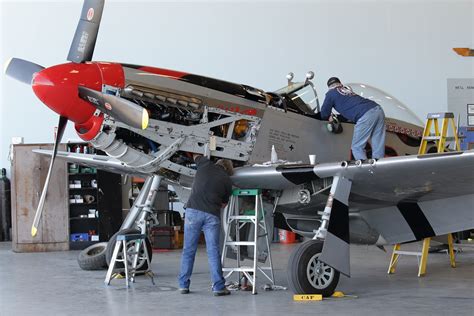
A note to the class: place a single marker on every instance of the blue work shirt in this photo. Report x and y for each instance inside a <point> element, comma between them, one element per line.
<point>350,105</point>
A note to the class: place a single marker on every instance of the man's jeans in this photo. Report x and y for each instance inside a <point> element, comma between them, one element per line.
<point>370,125</point>
<point>195,222</point>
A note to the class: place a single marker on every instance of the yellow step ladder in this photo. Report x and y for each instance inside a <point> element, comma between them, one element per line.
<point>421,256</point>
<point>440,137</point>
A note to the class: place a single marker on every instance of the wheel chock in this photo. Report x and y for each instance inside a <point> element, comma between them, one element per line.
<point>118,276</point>
<point>341,295</point>
<point>338,294</point>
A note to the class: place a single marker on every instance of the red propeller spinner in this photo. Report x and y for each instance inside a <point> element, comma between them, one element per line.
<point>57,87</point>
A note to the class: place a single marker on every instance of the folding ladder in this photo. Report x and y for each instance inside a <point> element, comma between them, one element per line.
<point>235,220</point>
<point>441,138</point>
<point>440,135</point>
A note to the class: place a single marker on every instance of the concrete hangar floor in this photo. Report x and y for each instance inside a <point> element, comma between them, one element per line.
<point>52,284</point>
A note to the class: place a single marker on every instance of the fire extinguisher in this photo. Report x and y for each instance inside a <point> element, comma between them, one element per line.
<point>5,207</point>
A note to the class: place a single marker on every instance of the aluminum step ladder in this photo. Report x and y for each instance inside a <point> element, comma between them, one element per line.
<point>440,137</point>
<point>235,220</point>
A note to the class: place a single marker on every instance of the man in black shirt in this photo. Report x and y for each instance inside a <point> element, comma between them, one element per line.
<point>211,190</point>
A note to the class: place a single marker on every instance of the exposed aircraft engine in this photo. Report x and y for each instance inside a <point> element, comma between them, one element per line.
<point>179,126</point>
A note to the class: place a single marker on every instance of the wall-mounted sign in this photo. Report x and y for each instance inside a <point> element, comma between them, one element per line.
<point>461,100</point>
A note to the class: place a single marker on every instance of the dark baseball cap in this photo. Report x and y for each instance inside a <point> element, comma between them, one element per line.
<point>333,80</point>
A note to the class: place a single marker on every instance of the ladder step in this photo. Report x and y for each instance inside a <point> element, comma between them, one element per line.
<point>438,138</point>
<point>440,115</point>
<point>407,253</point>
<point>247,217</point>
<point>241,269</point>
<point>248,192</point>
<point>240,243</point>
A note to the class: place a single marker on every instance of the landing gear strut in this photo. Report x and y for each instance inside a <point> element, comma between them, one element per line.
<point>314,269</point>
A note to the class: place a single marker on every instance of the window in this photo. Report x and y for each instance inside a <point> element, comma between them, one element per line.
<point>301,97</point>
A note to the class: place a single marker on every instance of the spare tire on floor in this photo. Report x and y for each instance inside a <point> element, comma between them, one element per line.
<point>93,257</point>
<point>142,265</point>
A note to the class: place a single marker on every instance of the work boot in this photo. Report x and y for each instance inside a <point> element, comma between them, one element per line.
<point>222,292</point>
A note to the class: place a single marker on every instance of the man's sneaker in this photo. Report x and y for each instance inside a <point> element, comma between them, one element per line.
<point>222,292</point>
<point>183,291</point>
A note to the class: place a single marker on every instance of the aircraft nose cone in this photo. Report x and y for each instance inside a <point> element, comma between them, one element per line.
<point>47,91</point>
<point>57,87</point>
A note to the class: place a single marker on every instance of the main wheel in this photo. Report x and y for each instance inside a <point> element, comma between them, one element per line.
<point>142,265</point>
<point>308,275</point>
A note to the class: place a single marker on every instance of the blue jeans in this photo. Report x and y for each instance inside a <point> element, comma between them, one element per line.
<point>370,125</point>
<point>195,222</point>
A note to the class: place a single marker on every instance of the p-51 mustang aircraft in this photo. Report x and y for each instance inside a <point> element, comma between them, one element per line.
<point>149,121</point>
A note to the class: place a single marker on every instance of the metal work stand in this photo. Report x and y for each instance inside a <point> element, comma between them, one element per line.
<point>129,256</point>
<point>255,217</point>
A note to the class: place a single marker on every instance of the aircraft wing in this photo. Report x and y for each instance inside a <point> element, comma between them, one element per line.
<point>405,198</point>
<point>95,161</point>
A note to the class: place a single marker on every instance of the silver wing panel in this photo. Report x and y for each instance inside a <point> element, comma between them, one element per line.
<point>384,183</point>
<point>415,178</point>
<point>404,198</point>
<point>95,161</point>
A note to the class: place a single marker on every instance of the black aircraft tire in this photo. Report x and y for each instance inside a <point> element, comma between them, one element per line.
<point>111,245</point>
<point>93,257</point>
<point>304,259</point>
<point>293,262</point>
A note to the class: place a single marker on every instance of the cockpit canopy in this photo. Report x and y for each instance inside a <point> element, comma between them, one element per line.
<point>392,107</point>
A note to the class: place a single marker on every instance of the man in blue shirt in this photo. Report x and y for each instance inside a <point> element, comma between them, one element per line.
<point>367,115</point>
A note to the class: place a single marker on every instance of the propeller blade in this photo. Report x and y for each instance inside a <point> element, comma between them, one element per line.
<point>22,70</point>
<point>121,109</point>
<point>83,43</point>
<point>39,210</point>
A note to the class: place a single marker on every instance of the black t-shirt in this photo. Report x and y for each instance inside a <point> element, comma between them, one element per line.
<point>211,187</point>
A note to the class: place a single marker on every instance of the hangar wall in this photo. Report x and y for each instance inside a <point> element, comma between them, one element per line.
<point>402,47</point>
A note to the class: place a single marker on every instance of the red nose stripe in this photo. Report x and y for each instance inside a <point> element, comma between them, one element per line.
<point>164,72</point>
